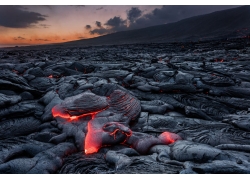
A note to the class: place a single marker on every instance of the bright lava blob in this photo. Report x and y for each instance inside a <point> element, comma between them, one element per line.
<point>92,140</point>
<point>57,112</point>
<point>169,138</point>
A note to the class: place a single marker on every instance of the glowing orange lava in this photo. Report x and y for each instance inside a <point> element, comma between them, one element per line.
<point>57,112</point>
<point>102,133</point>
<point>169,138</point>
<point>50,76</point>
<point>93,140</point>
<point>114,132</point>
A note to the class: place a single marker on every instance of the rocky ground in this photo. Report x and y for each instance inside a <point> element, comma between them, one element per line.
<point>142,108</point>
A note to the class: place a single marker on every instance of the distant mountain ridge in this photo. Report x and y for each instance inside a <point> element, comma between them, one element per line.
<point>228,23</point>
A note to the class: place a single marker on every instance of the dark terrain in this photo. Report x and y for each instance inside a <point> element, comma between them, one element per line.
<point>123,98</point>
<point>231,23</point>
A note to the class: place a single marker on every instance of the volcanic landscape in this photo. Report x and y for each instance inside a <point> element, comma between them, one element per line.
<point>126,109</point>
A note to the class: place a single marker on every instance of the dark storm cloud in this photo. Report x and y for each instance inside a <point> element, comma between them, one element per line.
<point>165,14</point>
<point>133,14</point>
<point>98,24</point>
<point>100,29</point>
<point>88,27</point>
<point>17,17</point>
<point>115,22</point>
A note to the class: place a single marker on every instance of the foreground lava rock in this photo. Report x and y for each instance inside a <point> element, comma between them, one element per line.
<point>108,121</point>
<point>144,108</point>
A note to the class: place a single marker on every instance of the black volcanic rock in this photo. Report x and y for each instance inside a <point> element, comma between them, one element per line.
<point>6,100</point>
<point>118,112</point>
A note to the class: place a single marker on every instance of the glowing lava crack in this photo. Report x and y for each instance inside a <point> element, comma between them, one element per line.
<point>108,122</point>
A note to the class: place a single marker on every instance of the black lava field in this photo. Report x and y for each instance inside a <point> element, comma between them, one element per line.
<point>167,108</point>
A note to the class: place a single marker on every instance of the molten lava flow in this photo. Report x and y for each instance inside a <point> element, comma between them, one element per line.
<point>56,112</point>
<point>93,140</point>
<point>107,135</point>
<point>114,132</point>
<point>169,138</point>
<point>127,134</point>
<point>127,137</point>
<point>50,76</point>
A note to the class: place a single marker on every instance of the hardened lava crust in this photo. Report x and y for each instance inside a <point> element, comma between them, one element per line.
<point>167,108</point>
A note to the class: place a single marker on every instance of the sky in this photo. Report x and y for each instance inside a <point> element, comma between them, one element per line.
<point>45,24</point>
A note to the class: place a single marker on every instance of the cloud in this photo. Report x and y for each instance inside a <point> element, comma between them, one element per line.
<point>18,17</point>
<point>42,40</point>
<point>44,25</point>
<point>115,22</point>
<point>78,6</point>
<point>99,8</point>
<point>88,27</point>
<point>48,6</point>
<point>19,38</point>
<point>73,6</point>
<point>98,24</point>
<point>166,14</point>
<point>133,14</point>
<point>100,31</point>
<point>113,25</point>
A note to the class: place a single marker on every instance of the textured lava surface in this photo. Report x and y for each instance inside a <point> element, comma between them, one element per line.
<point>126,109</point>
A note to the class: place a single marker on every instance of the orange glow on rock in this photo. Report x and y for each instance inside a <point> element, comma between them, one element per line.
<point>168,137</point>
<point>50,76</point>
<point>114,132</point>
<point>93,140</point>
<point>58,112</point>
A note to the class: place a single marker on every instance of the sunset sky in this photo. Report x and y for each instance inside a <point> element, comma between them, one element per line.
<point>43,24</point>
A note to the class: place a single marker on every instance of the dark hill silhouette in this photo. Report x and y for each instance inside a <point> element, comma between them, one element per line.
<point>229,23</point>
